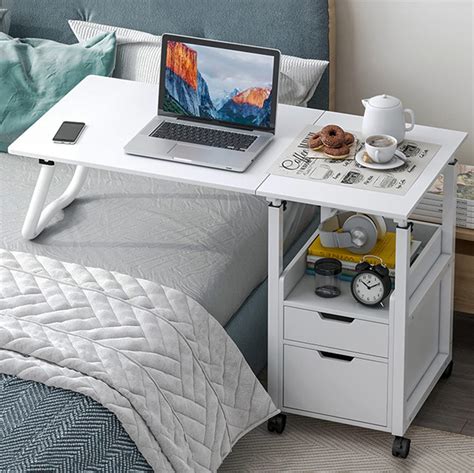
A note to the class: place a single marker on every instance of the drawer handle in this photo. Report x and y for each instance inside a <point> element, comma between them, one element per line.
<point>338,318</point>
<point>335,356</point>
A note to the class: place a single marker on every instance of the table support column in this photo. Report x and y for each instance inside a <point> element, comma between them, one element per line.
<point>399,321</point>
<point>275,269</point>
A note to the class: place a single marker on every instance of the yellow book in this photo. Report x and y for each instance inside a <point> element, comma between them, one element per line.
<point>384,249</point>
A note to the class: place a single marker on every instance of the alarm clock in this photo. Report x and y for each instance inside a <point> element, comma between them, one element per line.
<point>372,283</point>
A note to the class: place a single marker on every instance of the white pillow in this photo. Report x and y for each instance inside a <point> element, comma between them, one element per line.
<point>299,79</point>
<point>139,54</point>
<point>4,20</point>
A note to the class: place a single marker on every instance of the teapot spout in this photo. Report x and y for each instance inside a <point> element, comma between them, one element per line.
<point>365,102</point>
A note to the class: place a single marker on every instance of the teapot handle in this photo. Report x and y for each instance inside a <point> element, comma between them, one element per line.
<point>410,112</point>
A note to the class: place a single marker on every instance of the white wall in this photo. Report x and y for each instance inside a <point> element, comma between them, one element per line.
<point>420,51</point>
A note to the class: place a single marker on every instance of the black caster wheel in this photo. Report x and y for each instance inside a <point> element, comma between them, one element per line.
<point>277,424</point>
<point>401,447</point>
<point>448,371</point>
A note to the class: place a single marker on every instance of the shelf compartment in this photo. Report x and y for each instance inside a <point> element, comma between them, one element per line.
<point>431,237</point>
<point>344,333</point>
<point>303,297</point>
<point>324,382</point>
<point>436,271</point>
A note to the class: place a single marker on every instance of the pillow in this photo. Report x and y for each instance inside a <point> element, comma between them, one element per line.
<point>139,55</point>
<point>299,79</point>
<point>4,20</point>
<point>37,73</point>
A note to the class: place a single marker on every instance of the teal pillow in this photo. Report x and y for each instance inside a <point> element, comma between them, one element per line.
<point>36,73</point>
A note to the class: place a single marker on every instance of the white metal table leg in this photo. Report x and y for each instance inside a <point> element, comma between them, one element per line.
<point>450,175</point>
<point>37,218</point>
<point>275,268</point>
<point>399,322</point>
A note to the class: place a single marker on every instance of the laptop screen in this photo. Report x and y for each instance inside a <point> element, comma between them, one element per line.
<point>219,83</point>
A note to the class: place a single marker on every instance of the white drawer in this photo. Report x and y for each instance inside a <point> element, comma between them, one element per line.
<point>329,330</point>
<point>348,388</point>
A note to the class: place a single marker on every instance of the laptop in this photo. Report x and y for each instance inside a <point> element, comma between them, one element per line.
<point>217,104</point>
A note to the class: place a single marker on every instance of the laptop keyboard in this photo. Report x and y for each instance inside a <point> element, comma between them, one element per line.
<point>204,136</point>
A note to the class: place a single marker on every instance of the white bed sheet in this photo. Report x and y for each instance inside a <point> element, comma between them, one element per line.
<point>208,243</point>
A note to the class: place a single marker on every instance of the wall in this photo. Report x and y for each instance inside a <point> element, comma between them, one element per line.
<point>420,51</point>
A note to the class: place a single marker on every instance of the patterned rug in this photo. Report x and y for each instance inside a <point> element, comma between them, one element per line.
<point>310,445</point>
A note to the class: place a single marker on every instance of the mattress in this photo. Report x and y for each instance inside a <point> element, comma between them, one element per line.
<point>208,243</point>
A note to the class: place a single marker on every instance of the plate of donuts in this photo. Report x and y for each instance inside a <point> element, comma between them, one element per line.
<point>333,142</point>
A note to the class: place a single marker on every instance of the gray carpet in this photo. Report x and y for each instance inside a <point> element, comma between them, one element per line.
<point>310,445</point>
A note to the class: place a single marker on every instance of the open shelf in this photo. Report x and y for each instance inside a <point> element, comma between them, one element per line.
<point>303,297</point>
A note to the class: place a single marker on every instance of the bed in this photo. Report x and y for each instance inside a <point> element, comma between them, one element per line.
<point>207,243</point>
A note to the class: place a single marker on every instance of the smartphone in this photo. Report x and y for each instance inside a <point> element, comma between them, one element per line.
<point>69,133</point>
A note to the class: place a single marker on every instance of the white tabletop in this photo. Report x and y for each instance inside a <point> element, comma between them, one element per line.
<point>115,111</point>
<point>360,200</point>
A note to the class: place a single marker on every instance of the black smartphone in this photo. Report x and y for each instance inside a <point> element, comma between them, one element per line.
<point>69,133</point>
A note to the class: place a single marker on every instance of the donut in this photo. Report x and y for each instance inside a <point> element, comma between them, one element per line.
<point>315,142</point>
<point>341,152</point>
<point>349,138</point>
<point>333,136</point>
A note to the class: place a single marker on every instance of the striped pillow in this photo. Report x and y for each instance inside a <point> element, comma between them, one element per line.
<point>139,54</point>
<point>299,79</point>
<point>4,19</point>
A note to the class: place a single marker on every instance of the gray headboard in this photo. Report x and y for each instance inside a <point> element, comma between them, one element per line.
<point>296,27</point>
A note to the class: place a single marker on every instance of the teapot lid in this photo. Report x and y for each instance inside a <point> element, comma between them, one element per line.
<point>384,101</point>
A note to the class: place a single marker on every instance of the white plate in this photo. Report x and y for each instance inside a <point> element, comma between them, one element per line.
<point>397,161</point>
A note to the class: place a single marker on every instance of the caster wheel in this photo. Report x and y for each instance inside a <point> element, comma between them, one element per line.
<point>277,424</point>
<point>448,371</point>
<point>401,447</point>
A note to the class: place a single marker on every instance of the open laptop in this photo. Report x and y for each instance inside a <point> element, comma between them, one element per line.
<point>217,104</point>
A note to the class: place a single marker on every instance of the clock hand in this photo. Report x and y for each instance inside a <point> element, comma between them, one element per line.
<point>375,285</point>
<point>366,285</point>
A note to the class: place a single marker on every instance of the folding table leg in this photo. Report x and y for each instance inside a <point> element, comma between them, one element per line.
<point>37,216</point>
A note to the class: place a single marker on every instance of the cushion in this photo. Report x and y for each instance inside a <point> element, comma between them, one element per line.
<point>139,54</point>
<point>4,20</point>
<point>37,73</point>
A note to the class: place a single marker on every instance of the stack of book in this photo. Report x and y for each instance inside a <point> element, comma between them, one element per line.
<point>430,209</point>
<point>384,249</point>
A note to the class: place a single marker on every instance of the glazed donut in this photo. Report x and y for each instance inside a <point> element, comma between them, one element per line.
<point>315,142</point>
<point>332,136</point>
<point>341,152</point>
<point>349,138</point>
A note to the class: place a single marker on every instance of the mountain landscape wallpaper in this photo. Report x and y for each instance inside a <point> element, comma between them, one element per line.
<point>207,82</point>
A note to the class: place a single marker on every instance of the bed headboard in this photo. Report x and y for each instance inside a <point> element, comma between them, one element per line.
<point>296,27</point>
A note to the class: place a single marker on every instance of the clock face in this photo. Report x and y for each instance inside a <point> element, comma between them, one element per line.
<point>368,288</point>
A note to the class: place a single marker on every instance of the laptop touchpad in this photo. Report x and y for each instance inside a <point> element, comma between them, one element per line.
<point>200,154</point>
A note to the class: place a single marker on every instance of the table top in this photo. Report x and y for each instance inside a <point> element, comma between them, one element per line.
<point>115,111</point>
<point>398,207</point>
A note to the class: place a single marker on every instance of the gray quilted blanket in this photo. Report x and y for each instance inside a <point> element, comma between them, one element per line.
<point>150,354</point>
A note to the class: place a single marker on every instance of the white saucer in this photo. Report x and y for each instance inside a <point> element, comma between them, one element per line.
<point>397,161</point>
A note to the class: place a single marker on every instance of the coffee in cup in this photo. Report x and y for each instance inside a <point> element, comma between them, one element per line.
<point>381,148</point>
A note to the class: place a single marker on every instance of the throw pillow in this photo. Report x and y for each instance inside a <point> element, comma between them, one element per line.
<point>299,79</point>
<point>4,20</point>
<point>37,73</point>
<point>139,54</point>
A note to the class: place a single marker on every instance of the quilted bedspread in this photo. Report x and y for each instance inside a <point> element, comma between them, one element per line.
<point>151,355</point>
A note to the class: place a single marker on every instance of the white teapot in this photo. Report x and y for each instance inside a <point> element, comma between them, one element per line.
<point>384,115</point>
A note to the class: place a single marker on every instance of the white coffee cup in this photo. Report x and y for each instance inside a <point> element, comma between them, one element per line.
<point>381,148</point>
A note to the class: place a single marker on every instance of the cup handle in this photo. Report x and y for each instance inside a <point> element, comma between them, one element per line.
<point>410,112</point>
